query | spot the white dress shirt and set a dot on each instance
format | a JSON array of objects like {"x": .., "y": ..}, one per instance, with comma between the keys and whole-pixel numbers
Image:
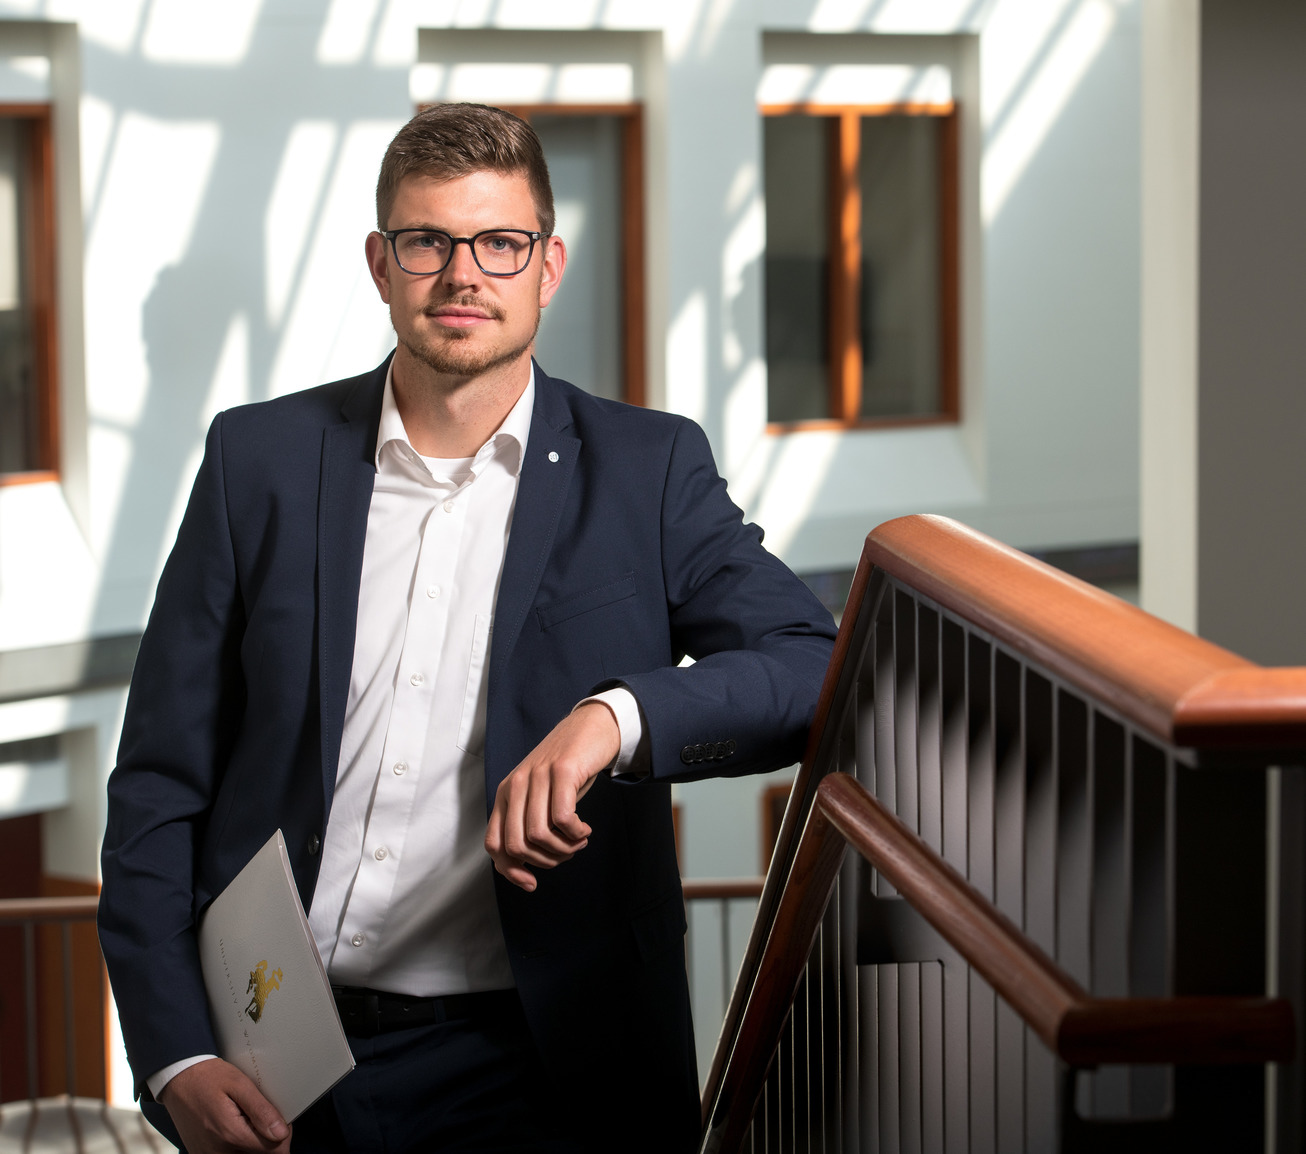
[{"x": 405, "y": 900}]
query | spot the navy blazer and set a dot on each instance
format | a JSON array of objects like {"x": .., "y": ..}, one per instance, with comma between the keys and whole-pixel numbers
[{"x": 625, "y": 555}]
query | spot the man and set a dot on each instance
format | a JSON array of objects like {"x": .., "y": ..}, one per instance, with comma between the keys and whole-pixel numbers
[{"x": 448, "y": 585}]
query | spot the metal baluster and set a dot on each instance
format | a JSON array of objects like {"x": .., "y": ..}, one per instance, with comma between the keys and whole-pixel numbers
[
  {"x": 724, "y": 906},
  {"x": 886, "y": 789},
  {"x": 1110, "y": 881},
  {"x": 980, "y": 867},
  {"x": 69, "y": 1024},
  {"x": 866, "y": 1092},
  {"x": 1009, "y": 834},
  {"x": 906, "y": 768},
  {"x": 1041, "y": 1080},
  {"x": 930, "y": 771},
  {"x": 29, "y": 993},
  {"x": 690, "y": 956},
  {"x": 954, "y": 726},
  {"x": 1149, "y": 1085}
]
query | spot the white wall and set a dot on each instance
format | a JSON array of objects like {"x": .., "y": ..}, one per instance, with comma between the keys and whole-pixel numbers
[{"x": 227, "y": 158}]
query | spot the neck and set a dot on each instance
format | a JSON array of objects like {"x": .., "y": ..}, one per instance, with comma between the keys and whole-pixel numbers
[{"x": 452, "y": 416}]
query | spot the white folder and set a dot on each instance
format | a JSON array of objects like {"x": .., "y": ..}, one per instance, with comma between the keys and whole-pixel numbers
[{"x": 269, "y": 997}]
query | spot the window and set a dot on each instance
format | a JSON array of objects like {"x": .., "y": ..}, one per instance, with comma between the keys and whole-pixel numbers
[
  {"x": 27, "y": 330},
  {"x": 861, "y": 265},
  {"x": 592, "y": 333}
]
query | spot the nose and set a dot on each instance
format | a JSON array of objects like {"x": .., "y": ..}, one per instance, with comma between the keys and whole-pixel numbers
[{"x": 462, "y": 267}]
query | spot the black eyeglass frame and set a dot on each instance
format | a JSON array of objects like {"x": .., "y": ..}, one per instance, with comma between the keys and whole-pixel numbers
[{"x": 470, "y": 242}]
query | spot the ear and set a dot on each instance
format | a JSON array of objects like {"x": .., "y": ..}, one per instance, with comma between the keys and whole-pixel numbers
[
  {"x": 554, "y": 262},
  {"x": 378, "y": 263}
]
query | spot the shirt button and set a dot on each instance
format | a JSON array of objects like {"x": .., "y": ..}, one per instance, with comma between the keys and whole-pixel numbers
[
  {"x": 381, "y": 853},
  {"x": 448, "y": 506},
  {"x": 433, "y": 591},
  {"x": 416, "y": 679},
  {"x": 358, "y": 939},
  {"x": 401, "y": 768}
]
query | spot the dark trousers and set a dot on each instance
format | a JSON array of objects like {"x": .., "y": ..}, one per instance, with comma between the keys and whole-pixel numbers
[{"x": 471, "y": 1084}]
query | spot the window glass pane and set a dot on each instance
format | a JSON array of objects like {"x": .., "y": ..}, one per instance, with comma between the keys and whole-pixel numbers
[
  {"x": 19, "y": 415},
  {"x": 580, "y": 336},
  {"x": 796, "y": 155},
  {"x": 900, "y": 266}
]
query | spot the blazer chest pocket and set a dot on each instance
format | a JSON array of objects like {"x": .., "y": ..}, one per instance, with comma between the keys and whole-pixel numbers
[{"x": 564, "y": 609}]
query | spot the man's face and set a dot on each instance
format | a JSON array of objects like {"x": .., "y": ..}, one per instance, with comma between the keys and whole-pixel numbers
[{"x": 462, "y": 322}]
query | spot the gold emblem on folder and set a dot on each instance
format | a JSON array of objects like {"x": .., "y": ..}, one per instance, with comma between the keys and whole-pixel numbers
[{"x": 260, "y": 985}]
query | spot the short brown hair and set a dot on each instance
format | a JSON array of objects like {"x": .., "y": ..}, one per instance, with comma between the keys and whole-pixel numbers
[{"x": 446, "y": 141}]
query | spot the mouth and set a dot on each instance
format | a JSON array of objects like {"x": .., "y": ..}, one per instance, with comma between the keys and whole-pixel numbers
[{"x": 463, "y": 316}]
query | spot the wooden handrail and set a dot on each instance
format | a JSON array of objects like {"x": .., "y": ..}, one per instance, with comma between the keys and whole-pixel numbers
[
  {"x": 720, "y": 889},
  {"x": 1184, "y": 690},
  {"x": 16, "y": 910},
  {"x": 1080, "y": 1029}
]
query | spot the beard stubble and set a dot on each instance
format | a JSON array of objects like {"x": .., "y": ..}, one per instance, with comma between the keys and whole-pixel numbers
[{"x": 454, "y": 354}]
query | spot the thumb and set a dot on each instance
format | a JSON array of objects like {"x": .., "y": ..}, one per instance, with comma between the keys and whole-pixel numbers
[{"x": 263, "y": 1116}]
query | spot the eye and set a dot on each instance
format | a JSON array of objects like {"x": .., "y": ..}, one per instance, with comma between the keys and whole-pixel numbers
[{"x": 502, "y": 242}]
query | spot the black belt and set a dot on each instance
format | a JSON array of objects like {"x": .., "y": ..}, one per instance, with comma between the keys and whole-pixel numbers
[{"x": 366, "y": 1013}]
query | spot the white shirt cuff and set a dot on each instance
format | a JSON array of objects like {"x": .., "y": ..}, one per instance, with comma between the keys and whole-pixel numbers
[
  {"x": 161, "y": 1078},
  {"x": 632, "y": 759}
]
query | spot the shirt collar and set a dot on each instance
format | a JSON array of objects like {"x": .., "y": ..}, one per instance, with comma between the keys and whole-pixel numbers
[{"x": 514, "y": 432}]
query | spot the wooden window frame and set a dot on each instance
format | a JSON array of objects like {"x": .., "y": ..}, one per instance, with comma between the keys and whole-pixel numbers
[
  {"x": 844, "y": 336},
  {"x": 40, "y": 270},
  {"x": 633, "y": 324}
]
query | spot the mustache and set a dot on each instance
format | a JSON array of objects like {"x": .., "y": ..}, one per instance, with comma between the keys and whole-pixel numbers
[{"x": 470, "y": 301}]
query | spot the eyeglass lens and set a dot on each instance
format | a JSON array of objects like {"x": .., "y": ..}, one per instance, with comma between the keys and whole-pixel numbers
[{"x": 504, "y": 252}]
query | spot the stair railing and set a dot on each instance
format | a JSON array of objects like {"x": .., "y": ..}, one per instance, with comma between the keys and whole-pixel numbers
[{"x": 1059, "y": 941}]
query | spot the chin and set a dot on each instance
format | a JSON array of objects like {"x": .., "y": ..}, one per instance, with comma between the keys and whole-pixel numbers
[
  {"x": 459, "y": 356},
  {"x": 459, "y": 353}
]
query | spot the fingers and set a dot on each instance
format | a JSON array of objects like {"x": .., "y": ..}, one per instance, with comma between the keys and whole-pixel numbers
[
  {"x": 216, "y": 1108},
  {"x": 263, "y": 1117},
  {"x": 519, "y": 837},
  {"x": 534, "y": 823},
  {"x": 551, "y": 828}
]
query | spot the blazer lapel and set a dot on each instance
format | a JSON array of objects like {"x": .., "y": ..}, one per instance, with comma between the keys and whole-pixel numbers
[
  {"x": 551, "y": 452},
  {"x": 344, "y": 496}
]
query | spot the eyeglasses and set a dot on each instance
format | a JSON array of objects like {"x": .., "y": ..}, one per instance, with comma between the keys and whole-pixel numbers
[{"x": 497, "y": 251}]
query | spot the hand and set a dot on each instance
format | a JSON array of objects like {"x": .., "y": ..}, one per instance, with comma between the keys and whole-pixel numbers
[
  {"x": 217, "y": 1109},
  {"x": 534, "y": 820}
]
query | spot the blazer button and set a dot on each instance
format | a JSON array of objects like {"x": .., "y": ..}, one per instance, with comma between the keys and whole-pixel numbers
[
  {"x": 314, "y": 844},
  {"x": 687, "y": 755}
]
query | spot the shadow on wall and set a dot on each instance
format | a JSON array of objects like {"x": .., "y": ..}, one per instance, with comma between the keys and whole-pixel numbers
[{"x": 210, "y": 331}]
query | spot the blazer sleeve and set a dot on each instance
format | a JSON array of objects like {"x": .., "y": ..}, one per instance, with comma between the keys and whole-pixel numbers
[
  {"x": 760, "y": 639},
  {"x": 184, "y": 705}
]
